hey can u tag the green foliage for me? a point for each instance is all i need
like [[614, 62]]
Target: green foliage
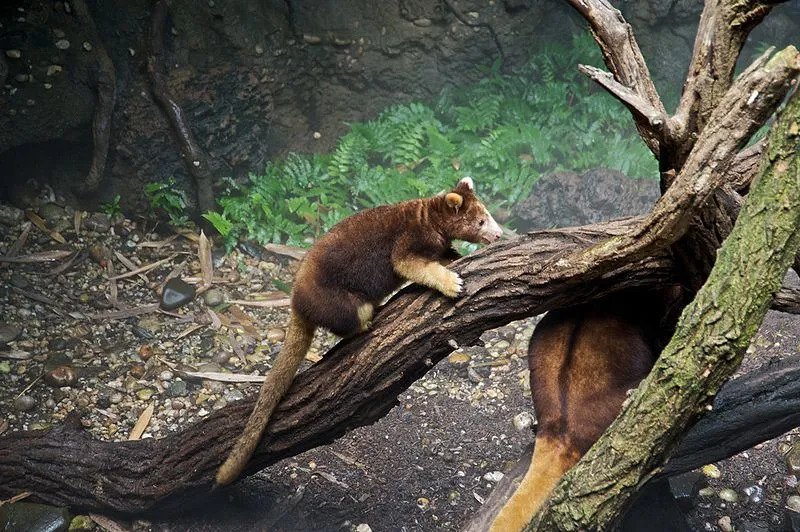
[[166, 197], [506, 130], [112, 208]]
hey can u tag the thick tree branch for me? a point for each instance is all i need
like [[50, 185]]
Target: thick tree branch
[[624, 59], [708, 345], [355, 384]]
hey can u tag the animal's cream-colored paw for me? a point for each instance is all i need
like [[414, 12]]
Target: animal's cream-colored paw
[[453, 284]]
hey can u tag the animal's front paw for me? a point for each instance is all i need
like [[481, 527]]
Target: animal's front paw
[[453, 284]]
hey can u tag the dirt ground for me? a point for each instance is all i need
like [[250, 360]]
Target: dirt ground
[[427, 465]]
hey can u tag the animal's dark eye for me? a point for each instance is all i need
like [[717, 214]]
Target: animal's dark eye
[[481, 222]]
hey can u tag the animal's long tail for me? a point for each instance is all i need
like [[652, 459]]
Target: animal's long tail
[[551, 459], [298, 340]]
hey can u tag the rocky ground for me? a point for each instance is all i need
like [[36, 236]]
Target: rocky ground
[[70, 339]]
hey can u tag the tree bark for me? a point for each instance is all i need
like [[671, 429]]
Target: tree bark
[[193, 155], [708, 345]]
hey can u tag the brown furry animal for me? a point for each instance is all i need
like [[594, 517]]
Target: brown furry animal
[[583, 361], [347, 273]]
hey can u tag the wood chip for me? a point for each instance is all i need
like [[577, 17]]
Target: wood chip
[[42, 256], [77, 221], [16, 498], [64, 266], [157, 244], [206, 262], [130, 265], [287, 251], [21, 240], [146, 268], [108, 524], [113, 293], [216, 323], [38, 222], [263, 304], [189, 331], [141, 424], [237, 348], [125, 313], [16, 354], [222, 377], [332, 479]]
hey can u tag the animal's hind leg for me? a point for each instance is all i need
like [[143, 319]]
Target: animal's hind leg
[[365, 313], [551, 459]]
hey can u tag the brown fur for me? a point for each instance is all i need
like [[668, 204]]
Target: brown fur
[[583, 361], [351, 269]]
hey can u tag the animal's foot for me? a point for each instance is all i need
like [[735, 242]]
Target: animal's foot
[[453, 284]]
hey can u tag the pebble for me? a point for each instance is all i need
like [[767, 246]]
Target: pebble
[[8, 333], [363, 527], [725, 524], [98, 222], [206, 344], [5, 366], [459, 360], [493, 476], [145, 351], [145, 394], [115, 398], [755, 494], [31, 516], [793, 459], [61, 375], [234, 395], [523, 421], [13, 54], [87, 46], [165, 375], [221, 357], [81, 523], [213, 297], [19, 281], [62, 44], [276, 335], [57, 344], [52, 70], [793, 503], [176, 388], [24, 403], [728, 495], [708, 491], [423, 503], [176, 294], [711, 471], [99, 253]]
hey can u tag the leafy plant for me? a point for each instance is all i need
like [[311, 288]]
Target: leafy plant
[[166, 197], [112, 208], [506, 130]]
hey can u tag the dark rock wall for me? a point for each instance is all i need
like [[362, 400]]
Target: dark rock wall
[[258, 79]]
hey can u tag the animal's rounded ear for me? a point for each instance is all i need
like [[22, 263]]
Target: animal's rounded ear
[[454, 200], [467, 183]]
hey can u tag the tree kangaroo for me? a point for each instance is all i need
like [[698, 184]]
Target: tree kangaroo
[[583, 360], [351, 269]]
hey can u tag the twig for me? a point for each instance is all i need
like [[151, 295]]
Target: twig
[[141, 423], [126, 313], [21, 240], [285, 302], [143, 269], [42, 256]]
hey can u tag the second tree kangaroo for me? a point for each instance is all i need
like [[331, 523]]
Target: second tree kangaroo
[[347, 273], [583, 360]]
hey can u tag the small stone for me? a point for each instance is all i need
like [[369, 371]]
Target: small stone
[[13, 54], [62, 44], [87, 46], [685, 487], [165, 375], [137, 371], [213, 297], [423, 22], [52, 70], [793, 459], [725, 524], [523, 421], [8, 333], [81, 523], [706, 492], [24, 403], [728, 495], [755, 493], [21, 78], [275, 335], [176, 388], [423, 503], [493, 476], [60, 376], [206, 344], [59, 33], [793, 503], [259, 49], [311, 39], [31, 516], [317, 135], [52, 212], [98, 222], [176, 294], [99, 253], [221, 357], [57, 344], [363, 527], [459, 360], [5, 367], [145, 394], [115, 398], [145, 351], [10, 215], [234, 395], [711, 471]]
